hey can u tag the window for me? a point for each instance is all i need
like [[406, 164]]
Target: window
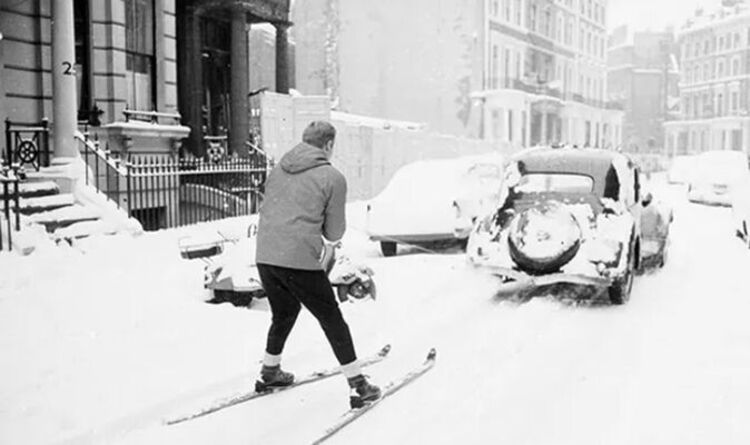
[[721, 44], [140, 72], [506, 68], [497, 124], [518, 64], [495, 8], [519, 11], [507, 10], [554, 182], [706, 47], [735, 101], [510, 125], [736, 67], [736, 40], [495, 67], [82, 60], [532, 18], [695, 106]]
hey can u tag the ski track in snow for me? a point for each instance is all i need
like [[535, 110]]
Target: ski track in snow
[[669, 367]]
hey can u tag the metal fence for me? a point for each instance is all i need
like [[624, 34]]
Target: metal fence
[[9, 180], [164, 192], [27, 143]]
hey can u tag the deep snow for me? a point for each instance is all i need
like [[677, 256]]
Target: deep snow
[[102, 341]]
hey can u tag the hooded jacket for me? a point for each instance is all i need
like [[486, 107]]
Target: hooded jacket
[[305, 200]]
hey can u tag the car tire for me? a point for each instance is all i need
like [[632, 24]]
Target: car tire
[[619, 291], [239, 299], [388, 248]]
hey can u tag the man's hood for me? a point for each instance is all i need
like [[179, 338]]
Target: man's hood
[[303, 157]]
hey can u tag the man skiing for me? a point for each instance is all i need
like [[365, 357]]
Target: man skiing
[[302, 217]]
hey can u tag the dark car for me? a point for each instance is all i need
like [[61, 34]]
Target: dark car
[[568, 217]]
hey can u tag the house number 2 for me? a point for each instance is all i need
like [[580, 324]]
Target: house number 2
[[69, 70]]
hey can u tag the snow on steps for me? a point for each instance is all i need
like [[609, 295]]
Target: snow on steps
[[84, 229], [33, 189], [45, 203], [65, 216]]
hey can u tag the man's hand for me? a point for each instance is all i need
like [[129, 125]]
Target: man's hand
[[328, 256]]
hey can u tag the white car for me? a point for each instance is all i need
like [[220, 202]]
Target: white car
[[434, 200], [715, 174], [231, 274], [570, 219], [741, 208]]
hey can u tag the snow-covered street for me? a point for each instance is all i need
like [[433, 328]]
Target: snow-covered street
[[125, 340]]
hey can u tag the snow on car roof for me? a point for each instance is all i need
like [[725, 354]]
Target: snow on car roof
[[597, 163]]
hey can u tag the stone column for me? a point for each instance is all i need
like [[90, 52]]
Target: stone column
[[64, 109], [282, 58], [543, 134], [239, 121]]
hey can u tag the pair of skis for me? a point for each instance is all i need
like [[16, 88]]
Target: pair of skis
[[348, 416]]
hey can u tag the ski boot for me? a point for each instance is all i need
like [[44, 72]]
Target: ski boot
[[362, 391], [273, 377]]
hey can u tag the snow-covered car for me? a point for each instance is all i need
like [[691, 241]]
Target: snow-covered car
[[715, 175], [681, 169], [231, 274], [569, 217], [434, 200], [741, 208]]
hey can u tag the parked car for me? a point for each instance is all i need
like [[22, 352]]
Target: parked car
[[715, 174], [231, 274], [434, 200], [569, 217], [741, 208]]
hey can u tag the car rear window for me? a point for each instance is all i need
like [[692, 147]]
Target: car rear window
[[555, 182]]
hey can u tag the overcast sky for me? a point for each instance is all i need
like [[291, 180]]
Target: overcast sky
[[654, 14]]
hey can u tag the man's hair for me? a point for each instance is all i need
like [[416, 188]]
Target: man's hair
[[318, 133]]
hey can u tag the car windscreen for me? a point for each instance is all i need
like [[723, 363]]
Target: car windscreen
[[554, 182]]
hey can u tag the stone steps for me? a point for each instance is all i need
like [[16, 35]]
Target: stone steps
[[64, 217], [38, 204]]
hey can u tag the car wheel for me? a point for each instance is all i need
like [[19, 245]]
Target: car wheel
[[388, 248], [619, 291], [239, 299]]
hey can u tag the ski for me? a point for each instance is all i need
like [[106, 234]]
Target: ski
[[389, 389], [252, 394]]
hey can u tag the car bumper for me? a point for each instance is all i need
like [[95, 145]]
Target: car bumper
[[710, 198], [418, 238], [521, 280]]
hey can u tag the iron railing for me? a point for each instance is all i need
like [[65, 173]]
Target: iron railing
[[10, 177], [27, 143], [163, 192]]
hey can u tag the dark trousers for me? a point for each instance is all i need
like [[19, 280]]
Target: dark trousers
[[289, 289]]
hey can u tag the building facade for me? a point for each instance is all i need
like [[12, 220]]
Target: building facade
[[545, 74], [714, 83], [117, 63], [370, 60], [643, 75], [166, 56]]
